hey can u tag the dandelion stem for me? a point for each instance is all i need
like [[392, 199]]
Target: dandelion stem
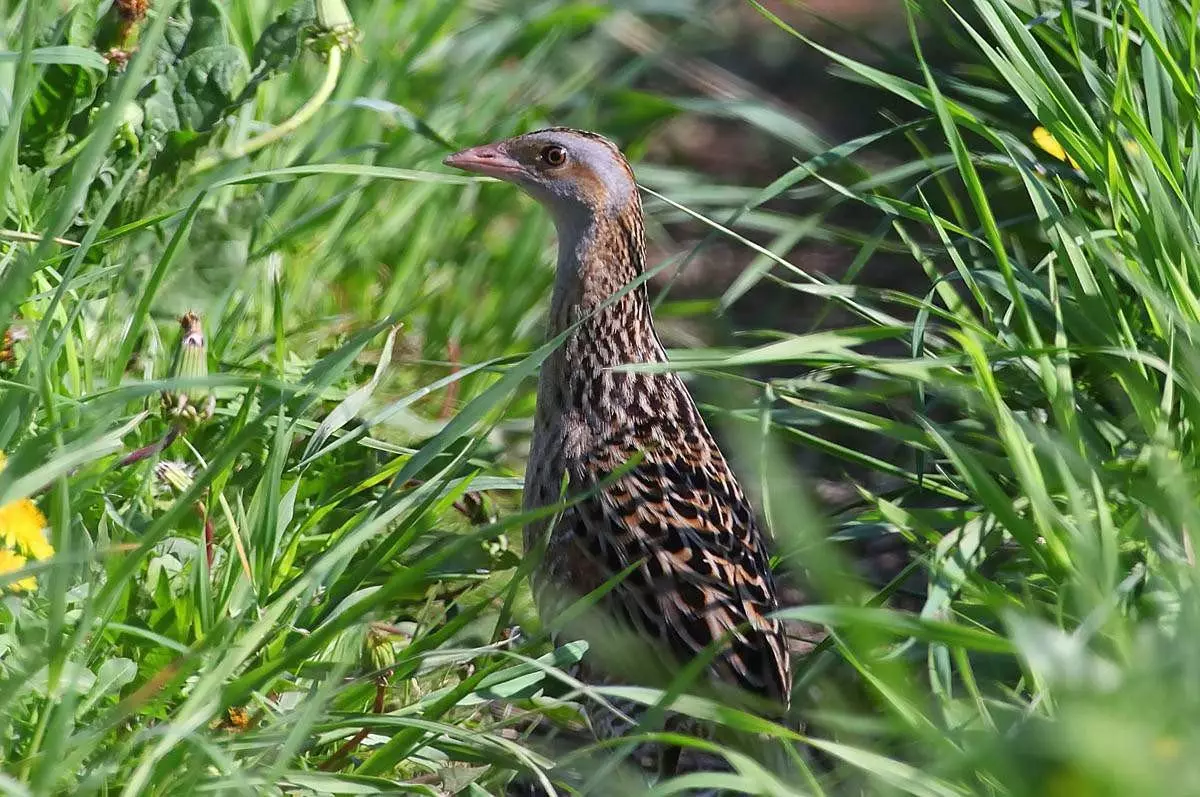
[[150, 450], [289, 125]]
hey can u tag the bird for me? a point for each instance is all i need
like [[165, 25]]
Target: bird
[[649, 495]]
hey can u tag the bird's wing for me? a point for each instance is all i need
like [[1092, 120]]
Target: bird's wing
[[703, 573]]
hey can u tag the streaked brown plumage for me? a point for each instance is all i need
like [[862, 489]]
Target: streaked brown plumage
[[679, 512]]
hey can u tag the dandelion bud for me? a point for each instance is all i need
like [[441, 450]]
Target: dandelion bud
[[335, 26], [379, 650], [195, 403], [173, 475]]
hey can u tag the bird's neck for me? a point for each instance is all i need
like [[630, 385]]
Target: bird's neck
[[582, 398], [598, 256]]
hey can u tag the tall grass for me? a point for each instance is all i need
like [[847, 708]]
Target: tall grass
[[298, 592], [312, 590], [1048, 425]]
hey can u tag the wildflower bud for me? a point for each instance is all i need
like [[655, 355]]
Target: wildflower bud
[[130, 14], [335, 26], [174, 475], [195, 403], [235, 719], [132, 10], [8, 354], [382, 646], [380, 653], [6, 348]]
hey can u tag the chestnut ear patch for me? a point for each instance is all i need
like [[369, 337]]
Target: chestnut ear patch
[[590, 186]]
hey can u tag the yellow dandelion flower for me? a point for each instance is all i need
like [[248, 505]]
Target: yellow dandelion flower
[[25, 527], [1043, 138], [10, 562], [22, 534]]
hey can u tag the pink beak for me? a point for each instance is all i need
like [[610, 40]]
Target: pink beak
[[488, 159]]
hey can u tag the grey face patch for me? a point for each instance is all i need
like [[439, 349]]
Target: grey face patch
[[594, 178]]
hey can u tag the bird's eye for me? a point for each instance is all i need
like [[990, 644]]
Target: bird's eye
[[555, 156]]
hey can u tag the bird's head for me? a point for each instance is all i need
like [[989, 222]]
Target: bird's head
[[576, 175]]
